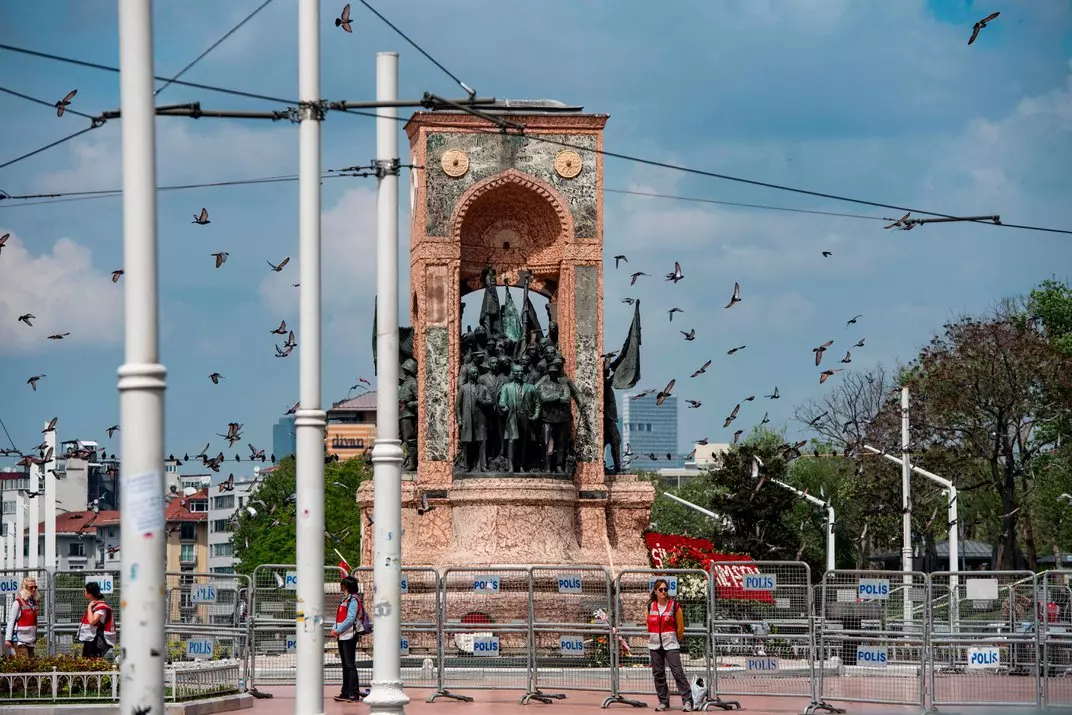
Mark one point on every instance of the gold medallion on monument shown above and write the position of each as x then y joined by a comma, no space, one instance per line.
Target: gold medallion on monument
568,164
455,163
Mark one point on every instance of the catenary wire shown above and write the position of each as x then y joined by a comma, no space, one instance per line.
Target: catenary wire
49,146
568,145
213,46
765,207
8,434
43,103
417,47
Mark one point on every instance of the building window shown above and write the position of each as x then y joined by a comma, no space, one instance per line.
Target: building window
188,531
224,502
222,569
76,549
223,550
186,553
219,525
198,505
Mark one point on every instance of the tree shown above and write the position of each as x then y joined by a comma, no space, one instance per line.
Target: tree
266,535
980,390
1051,305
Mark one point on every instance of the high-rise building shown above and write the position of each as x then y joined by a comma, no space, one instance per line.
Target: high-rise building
284,442
650,429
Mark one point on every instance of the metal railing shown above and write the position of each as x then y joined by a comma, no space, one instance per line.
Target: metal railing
753,629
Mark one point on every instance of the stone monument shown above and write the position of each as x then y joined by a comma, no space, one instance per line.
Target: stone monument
503,423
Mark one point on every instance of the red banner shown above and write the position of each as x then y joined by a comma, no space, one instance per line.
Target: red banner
729,578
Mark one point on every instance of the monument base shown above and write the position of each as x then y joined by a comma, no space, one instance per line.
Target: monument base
521,520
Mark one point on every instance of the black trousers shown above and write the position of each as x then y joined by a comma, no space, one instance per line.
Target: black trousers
90,650
348,656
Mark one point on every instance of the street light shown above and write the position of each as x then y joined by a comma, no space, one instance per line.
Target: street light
831,517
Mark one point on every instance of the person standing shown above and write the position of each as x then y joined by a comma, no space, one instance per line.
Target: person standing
96,633
21,634
349,624
666,631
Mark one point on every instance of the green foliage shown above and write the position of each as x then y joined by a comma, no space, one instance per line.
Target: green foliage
270,538
62,663
1051,304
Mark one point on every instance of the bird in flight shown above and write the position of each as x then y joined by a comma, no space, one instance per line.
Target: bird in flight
736,298
26,318
731,351
634,277
672,311
693,404
112,430
665,392
619,259
61,106
221,258
827,254
203,218
750,398
853,319
676,274
774,395
215,377
702,370
282,263
737,435
628,301
116,275
765,419
860,344
51,426
281,330
732,417
343,20
848,357
900,223
3,241
32,382
977,28
820,350
827,373
58,336
691,335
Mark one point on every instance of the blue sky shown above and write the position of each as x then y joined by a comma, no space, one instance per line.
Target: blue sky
884,102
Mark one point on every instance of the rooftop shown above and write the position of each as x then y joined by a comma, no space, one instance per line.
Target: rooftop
361,403
77,522
520,106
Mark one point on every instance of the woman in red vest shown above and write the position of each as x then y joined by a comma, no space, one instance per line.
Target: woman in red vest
666,631
349,624
21,634
96,632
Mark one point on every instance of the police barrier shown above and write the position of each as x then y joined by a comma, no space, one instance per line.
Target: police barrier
69,603
273,632
484,629
985,639
206,616
10,582
571,633
631,665
870,624
1057,639
762,630
419,642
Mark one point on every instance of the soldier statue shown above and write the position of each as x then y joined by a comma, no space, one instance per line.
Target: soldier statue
407,409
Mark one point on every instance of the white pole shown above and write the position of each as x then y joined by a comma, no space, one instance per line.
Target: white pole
310,420
386,695
20,526
906,505
50,503
690,505
33,518
141,377
831,519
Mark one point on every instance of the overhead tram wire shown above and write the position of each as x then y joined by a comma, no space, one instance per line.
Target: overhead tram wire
49,146
556,142
213,46
739,204
44,103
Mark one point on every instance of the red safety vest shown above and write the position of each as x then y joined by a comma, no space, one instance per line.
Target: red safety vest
340,616
665,622
86,632
26,624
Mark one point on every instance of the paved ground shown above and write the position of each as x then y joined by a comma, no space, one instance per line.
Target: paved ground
506,703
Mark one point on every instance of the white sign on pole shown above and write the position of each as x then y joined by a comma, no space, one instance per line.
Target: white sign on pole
872,656
981,589
984,657
874,588
104,580
199,648
762,665
486,645
760,582
9,585
486,584
570,583
571,645
202,593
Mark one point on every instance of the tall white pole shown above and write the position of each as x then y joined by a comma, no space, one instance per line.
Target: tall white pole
20,527
50,503
831,519
310,420
906,505
33,518
386,695
141,377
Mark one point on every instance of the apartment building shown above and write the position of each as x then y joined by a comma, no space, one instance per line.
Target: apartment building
351,427
222,508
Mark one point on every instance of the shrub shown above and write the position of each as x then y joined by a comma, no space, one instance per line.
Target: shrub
62,663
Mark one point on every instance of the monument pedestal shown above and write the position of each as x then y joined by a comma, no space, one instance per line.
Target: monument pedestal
521,520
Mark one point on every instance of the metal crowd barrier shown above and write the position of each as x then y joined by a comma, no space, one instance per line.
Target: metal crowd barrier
69,604
484,630
985,639
762,629
206,616
631,674
869,624
10,581
1057,638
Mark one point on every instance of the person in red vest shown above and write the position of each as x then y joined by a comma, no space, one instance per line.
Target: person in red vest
349,624
96,633
21,634
666,631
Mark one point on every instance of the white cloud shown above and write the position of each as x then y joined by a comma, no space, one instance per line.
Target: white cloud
183,155
64,291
